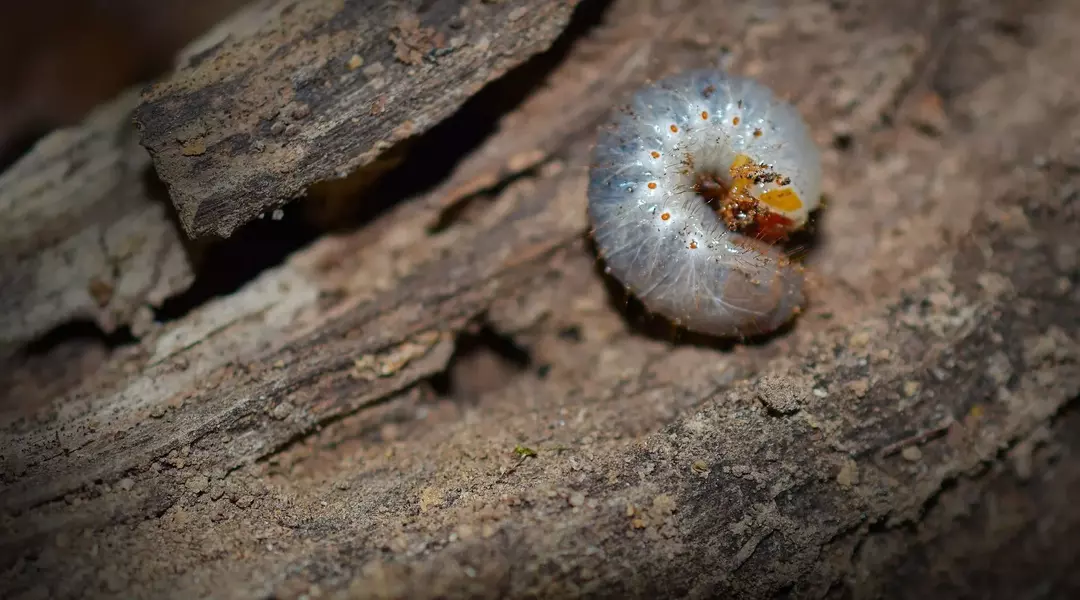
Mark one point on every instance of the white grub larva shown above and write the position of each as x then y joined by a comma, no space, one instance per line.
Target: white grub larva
691,186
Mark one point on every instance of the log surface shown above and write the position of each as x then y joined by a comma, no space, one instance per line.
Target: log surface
469,409
86,232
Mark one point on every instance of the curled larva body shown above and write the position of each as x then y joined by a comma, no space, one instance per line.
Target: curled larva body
688,186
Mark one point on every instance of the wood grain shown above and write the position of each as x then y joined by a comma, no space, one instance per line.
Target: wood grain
86,235
322,90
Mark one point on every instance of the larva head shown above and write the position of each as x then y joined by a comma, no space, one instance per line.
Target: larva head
760,200
775,160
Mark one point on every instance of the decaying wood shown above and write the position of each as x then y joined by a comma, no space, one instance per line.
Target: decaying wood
321,90
84,235
915,432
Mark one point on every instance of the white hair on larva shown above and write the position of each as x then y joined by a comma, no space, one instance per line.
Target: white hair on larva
686,141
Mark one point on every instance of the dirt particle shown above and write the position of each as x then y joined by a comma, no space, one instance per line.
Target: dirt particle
576,499
157,412
377,106
355,62
663,504
277,128
859,339
245,501
217,514
516,14
430,498
784,395
911,388
413,42
301,111
197,484
374,70
125,484
999,368
859,387
848,475
911,453
281,411
194,148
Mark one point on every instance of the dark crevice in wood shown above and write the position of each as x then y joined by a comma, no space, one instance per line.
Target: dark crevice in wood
16,147
483,359
229,264
79,330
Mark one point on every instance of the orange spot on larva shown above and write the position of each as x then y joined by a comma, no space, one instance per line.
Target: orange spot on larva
784,199
735,121
652,185
665,216
655,154
757,133
705,114
693,245
741,160
674,129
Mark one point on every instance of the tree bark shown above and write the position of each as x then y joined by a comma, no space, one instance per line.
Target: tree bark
323,89
87,234
452,401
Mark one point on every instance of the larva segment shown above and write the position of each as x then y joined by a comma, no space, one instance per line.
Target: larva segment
691,237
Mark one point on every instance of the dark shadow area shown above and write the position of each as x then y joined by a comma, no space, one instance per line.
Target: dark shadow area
224,266
483,360
61,58
81,330
19,145
56,362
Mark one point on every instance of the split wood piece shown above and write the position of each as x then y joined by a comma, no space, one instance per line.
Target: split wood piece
85,235
322,90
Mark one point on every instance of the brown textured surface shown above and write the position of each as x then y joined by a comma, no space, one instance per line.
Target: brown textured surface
86,234
322,90
340,427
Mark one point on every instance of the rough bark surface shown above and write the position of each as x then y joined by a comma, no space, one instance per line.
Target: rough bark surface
85,234
452,402
322,89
